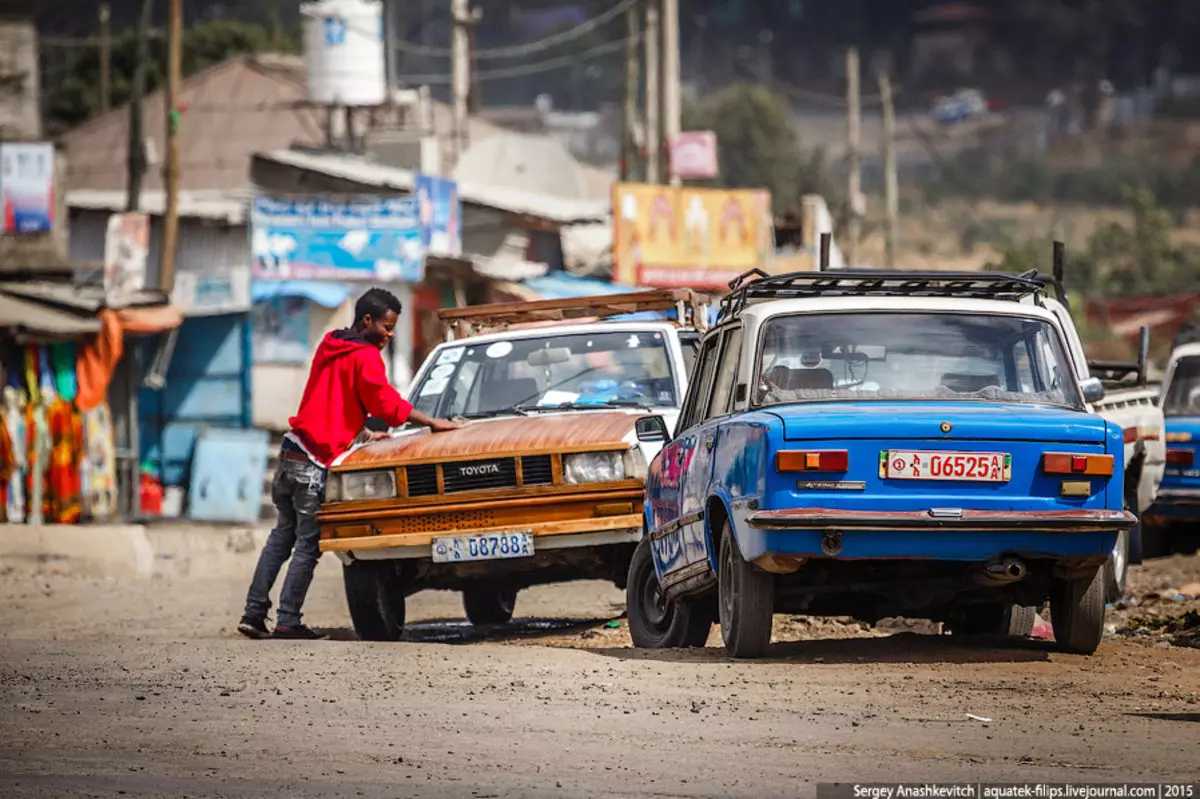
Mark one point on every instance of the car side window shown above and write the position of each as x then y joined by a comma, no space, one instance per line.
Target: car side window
722,396
698,391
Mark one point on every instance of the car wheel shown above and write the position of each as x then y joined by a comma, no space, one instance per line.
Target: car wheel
1077,612
1117,567
656,622
489,605
375,598
746,601
997,618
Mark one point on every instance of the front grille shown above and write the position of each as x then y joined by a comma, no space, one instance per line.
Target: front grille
442,522
422,480
536,470
479,475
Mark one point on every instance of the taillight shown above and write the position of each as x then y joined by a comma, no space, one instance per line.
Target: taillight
826,460
1068,463
1182,458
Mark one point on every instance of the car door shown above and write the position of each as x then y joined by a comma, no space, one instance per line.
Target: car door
698,475
666,497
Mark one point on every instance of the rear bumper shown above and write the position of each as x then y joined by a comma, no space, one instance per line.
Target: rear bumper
1175,503
1069,521
602,531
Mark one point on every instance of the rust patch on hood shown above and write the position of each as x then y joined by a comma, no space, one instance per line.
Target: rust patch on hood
532,435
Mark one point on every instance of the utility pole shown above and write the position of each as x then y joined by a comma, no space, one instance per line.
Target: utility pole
629,122
653,132
389,47
171,169
854,187
672,110
105,54
891,183
460,75
137,143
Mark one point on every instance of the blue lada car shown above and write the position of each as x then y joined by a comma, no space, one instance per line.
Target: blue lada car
1176,510
879,444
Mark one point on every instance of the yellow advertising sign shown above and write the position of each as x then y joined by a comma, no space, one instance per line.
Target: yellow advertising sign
676,237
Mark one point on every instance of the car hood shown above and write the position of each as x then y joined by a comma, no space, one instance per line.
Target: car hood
485,438
924,420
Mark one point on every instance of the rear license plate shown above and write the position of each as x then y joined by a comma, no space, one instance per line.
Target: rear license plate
975,467
487,546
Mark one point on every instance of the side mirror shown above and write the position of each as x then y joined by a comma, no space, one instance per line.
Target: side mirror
1143,354
1093,389
652,428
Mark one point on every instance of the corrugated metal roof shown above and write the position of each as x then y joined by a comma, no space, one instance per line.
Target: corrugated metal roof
559,210
87,299
39,319
219,206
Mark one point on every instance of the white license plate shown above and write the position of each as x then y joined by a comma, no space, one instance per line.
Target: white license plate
974,467
486,546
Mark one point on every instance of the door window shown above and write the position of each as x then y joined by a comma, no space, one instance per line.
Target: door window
699,390
722,396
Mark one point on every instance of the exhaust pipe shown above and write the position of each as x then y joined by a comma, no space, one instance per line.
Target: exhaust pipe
1003,571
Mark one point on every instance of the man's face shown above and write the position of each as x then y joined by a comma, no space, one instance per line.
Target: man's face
379,330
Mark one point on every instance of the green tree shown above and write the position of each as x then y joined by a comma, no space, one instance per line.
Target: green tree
77,97
757,145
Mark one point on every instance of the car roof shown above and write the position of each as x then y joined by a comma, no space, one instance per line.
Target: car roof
762,310
565,330
1186,351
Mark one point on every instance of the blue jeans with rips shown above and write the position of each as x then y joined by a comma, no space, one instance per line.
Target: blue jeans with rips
297,490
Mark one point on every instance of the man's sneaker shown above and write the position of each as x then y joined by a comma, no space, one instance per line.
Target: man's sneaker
253,628
297,633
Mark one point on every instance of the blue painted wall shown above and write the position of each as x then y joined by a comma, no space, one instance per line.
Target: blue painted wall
208,385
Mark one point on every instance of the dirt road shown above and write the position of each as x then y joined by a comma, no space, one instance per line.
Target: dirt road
143,689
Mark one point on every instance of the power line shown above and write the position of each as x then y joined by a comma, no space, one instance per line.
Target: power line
531,69
518,51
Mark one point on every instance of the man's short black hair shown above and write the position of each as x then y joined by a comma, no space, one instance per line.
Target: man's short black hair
376,302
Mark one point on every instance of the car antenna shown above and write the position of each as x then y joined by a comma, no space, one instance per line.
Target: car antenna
823,266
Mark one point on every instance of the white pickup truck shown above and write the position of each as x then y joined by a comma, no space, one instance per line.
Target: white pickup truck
1119,392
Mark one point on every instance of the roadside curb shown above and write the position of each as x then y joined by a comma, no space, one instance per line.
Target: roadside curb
128,551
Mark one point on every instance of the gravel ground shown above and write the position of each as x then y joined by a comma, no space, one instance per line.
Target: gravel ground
143,689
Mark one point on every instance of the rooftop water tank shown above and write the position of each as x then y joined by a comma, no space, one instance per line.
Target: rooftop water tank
343,52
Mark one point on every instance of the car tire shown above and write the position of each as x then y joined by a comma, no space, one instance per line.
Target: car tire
1116,568
375,598
746,601
1077,612
489,605
997,618
656,622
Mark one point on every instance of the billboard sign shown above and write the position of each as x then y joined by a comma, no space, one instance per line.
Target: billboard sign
367,238
694,155
673,237
27,187
126,247
441,215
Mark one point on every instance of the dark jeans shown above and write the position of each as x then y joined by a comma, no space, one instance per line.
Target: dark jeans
297,490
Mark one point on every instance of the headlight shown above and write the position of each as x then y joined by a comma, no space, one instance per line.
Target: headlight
604,467
367,485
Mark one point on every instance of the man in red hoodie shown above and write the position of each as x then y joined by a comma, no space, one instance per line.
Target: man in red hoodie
346,383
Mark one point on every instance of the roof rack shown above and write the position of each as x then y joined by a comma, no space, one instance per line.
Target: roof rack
754,285
688,305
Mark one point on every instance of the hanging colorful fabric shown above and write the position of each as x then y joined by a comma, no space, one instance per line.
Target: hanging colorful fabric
31,372
62,358
40,450
14,422
98,470
8,464
62,504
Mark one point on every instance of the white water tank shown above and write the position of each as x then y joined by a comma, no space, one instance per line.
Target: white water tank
343,52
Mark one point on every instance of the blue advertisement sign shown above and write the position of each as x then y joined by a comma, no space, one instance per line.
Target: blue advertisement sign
27,187
441,215
369,238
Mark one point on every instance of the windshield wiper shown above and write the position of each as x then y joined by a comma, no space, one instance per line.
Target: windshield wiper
514,409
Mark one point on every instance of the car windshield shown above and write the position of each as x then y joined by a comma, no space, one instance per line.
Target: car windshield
913,356
629,367
1183,395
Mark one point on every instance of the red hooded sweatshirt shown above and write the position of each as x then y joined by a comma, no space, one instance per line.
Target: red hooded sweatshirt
346,383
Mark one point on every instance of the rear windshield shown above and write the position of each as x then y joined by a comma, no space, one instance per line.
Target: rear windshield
913,356
1183,395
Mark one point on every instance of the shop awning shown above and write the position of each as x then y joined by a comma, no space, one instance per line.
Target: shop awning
324,293
38,319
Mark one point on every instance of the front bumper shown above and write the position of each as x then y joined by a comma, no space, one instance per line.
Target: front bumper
575,533
966,535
